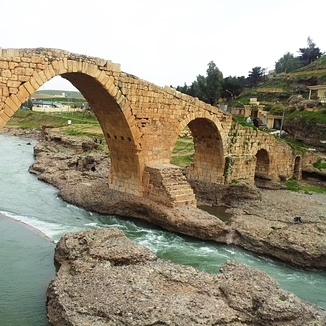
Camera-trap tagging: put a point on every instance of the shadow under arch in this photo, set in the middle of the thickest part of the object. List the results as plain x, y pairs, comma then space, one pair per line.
262, 164
208, 163
125, 170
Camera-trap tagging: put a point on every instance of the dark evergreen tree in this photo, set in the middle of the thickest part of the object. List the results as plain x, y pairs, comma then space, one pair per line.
207, 89
256, 75
309, 54
232, 86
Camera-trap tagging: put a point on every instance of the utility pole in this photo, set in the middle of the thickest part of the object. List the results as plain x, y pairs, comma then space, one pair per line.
282, 121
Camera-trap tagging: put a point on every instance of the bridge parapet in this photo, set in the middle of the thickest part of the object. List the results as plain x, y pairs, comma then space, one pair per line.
48, 55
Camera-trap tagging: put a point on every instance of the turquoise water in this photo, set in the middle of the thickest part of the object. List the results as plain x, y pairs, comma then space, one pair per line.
27, 258
25, 270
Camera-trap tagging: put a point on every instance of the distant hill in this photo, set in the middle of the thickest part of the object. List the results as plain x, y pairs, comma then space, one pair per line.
58, 93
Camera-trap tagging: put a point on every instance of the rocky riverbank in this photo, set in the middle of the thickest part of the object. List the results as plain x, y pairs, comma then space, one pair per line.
105, 279
262, 219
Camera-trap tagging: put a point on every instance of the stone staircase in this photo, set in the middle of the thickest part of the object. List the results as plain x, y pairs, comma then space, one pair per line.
167, 185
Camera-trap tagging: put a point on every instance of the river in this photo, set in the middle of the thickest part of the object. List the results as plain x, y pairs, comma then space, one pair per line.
33, 218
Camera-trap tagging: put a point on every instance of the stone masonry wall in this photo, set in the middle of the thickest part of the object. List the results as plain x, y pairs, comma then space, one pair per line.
243, 146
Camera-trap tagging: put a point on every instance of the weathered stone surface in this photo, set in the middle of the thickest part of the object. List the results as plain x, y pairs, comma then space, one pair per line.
225, 195
267, 226
106, 279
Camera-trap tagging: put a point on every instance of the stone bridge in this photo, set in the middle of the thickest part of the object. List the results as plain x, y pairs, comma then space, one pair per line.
141, 123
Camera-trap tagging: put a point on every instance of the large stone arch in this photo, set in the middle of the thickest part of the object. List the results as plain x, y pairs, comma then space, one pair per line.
109, 105
141, 123
110, 108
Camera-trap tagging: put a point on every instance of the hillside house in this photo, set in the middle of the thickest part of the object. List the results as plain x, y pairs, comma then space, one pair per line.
321, 92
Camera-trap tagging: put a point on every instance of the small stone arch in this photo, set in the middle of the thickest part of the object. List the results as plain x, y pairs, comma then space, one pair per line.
297, 172
208, 163
262, 168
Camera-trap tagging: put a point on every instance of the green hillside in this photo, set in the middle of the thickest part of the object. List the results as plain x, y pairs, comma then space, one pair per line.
305, 120
279, 87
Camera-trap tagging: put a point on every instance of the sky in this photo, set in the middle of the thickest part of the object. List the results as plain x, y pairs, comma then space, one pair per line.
167, 42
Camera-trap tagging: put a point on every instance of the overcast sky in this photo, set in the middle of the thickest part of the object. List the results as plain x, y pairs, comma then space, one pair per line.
167, 42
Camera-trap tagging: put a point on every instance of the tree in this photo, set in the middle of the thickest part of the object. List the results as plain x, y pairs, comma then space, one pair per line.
207, 89
287, 63
198, 88
214, 81
309, 54
183, 89
256, 75
232, 86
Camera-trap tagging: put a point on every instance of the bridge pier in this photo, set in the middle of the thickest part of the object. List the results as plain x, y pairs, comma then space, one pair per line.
166, 184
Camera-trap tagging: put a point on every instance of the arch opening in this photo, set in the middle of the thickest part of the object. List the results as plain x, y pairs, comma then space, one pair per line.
124, 154
262, 164
199, 151
208, 160
297, 173
183, 152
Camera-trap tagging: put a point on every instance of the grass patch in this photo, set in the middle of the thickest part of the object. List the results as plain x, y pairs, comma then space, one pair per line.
296, 145
241, 120
310, 119
320, 165
295, 186
183, 152
35, 120
181, 161
83, 123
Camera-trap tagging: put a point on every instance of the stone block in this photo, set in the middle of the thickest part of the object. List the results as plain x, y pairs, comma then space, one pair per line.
29, 88
37, 77
36, 59
12, 83
34, 83
4, 64
22, 94
9, 110
116, 67
49, 73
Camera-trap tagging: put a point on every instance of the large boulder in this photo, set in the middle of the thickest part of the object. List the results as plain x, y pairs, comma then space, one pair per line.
106, 279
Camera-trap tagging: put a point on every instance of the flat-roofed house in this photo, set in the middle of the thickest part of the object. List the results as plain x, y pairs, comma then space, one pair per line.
321, 92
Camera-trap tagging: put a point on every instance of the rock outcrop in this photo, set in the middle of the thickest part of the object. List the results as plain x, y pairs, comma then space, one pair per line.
106, 279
